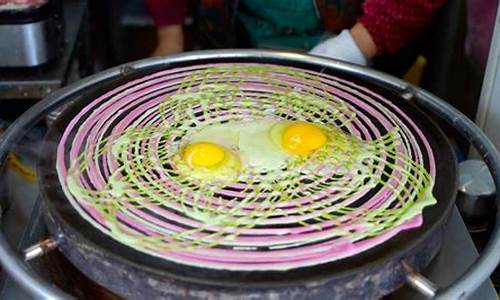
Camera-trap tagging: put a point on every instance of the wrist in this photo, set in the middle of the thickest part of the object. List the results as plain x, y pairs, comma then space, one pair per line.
168, 32
364, 40
170, 40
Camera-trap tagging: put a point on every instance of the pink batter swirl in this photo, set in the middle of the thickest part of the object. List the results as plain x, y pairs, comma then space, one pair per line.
113, 163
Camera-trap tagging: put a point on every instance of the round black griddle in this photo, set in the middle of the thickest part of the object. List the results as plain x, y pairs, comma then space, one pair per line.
130, 273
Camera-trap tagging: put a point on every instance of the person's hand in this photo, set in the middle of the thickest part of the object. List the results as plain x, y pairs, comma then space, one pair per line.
354, 46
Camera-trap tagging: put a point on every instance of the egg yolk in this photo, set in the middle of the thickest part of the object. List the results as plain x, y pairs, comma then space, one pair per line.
203, 154
303, 138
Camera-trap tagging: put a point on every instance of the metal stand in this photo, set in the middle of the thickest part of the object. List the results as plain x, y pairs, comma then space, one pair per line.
476, 274
41, 248
419, 282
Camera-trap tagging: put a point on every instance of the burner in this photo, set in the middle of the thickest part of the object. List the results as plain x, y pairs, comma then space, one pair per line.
116, 164
114, 190
115, 145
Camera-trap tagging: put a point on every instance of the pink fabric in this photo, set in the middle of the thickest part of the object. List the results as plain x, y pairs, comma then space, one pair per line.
480, 23
394, 23
167, 12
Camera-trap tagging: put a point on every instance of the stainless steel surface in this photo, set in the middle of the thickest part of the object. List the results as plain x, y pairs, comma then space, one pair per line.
33, 252
480, 270
17, 222
22, 232
37, 83
474, 178
476, 193
27, 45
422, 285
457, 254
40, 248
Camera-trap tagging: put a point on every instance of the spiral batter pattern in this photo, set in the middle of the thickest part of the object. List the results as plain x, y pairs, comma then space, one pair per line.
116, 165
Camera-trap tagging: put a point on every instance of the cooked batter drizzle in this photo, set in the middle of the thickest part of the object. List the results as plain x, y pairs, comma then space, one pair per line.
116, 164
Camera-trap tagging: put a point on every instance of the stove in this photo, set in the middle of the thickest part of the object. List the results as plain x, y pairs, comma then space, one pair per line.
401, 261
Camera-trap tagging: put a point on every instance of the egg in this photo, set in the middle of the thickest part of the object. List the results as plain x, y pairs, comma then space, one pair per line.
223, 151
203, 154
250, 140
298, 138
207, 162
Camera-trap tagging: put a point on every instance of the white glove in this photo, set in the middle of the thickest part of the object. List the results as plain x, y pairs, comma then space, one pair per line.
341, 47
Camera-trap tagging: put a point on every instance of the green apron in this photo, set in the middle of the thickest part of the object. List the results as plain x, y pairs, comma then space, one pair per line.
295, 24
282, 24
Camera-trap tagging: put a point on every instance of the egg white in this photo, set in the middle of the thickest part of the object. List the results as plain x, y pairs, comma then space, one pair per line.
251, 140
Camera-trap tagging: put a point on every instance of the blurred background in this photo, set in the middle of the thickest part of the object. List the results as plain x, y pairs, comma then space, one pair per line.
48, 44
